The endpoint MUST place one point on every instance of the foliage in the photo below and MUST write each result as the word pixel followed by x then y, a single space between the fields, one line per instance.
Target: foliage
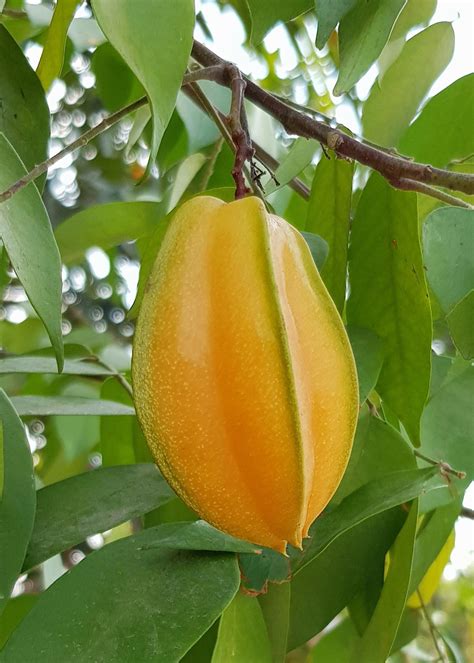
pixel 392 239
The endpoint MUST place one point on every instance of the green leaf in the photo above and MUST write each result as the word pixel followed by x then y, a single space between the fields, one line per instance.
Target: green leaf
pixel 298 157
pixel 155 40
pixel 323 588
pixel 116 84
pixel 18 503
pixel 25 115
pixel 369 355
pixel 336 644
pixel 448 422
pixel 329 215
pixel 431 538
pixel 116 434
pixel 184 175
pixel 38 364
pixel 433 137
pixel 259 570
pixel 14 612
pixel 36 263
pixel 71 405
pixel 379 636
pixel 461 325
pixel 275 605
pixel 52 57
pixel 265 13
pixel 106 226
pixel 363 33
pixel 318 247
pixel 71 510
pixel 448 247
pixel 414 13
pixel 242 633
pixel 394 305
pixel 329 13
pixel 199 535
pixel 124 603
pixel 393 102
pixel 369 500
pixel 377 451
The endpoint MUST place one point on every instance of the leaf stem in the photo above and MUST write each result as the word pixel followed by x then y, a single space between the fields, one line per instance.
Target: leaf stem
pixel 445 468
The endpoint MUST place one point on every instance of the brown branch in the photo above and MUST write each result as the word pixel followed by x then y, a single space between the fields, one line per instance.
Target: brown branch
pixel 419 187
pixel 467 513
pixel 391 166
pixel 444 468
pixel 272 164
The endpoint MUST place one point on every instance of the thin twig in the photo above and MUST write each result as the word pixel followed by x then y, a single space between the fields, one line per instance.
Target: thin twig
pixel 433 630
pixel 445 468
pixel 391 166
pixel 419 187
pixel 116 374
pixel 467 513
pixel 239 130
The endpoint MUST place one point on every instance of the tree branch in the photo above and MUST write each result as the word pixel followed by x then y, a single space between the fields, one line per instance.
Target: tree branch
pixel 393 167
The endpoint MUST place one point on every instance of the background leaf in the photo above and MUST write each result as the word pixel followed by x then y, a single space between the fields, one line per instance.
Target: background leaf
pixel 374 21
pixel 329 13
pixel 433 137
pixel 242 633
pixel 265 13
pixel 369 355
pixel 394 305
pixel 37 264
pixel 25 115
pixel 71 405
pixel 394 100
pixel 328 216
pixel 52 57
pixel 71 510
pixel 106 226
pixel 18 503
pixel 461 325
pixel 155 39
pixel 448 247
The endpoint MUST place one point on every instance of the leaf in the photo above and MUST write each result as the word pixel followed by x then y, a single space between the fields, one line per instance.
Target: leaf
pixel 18 503
pixel 318 247
pixel 431 538
pixel 378 450
pixel 379 636
pixel 329 215
pixel 336 644
pixel 323 588
pixel 15 610
pixel 25 115
pixel 242 633
pixel 329 13
pixel 395 306
pixel 368 501
pixel 116 434
pixel 71 405
pixel 71 510
pixel 393 102
pixel 199 535
pixel 155 40
pixel 448 422
pixel 363 33
pixel 448 247
pixel 185 173
pixel 106 226
pixel 433 137
pixel 115 84
pixel 369 355
pixel 414 13
pixel 37 264
pixel 461 325
pixel 127 603
pixel 38 364
pixel 52 57
pixel 275 605
pixel 258 570
pixel 265 13
pixel 298 157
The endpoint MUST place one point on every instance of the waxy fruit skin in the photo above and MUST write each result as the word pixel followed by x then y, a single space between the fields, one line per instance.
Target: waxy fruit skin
pixel 244 380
